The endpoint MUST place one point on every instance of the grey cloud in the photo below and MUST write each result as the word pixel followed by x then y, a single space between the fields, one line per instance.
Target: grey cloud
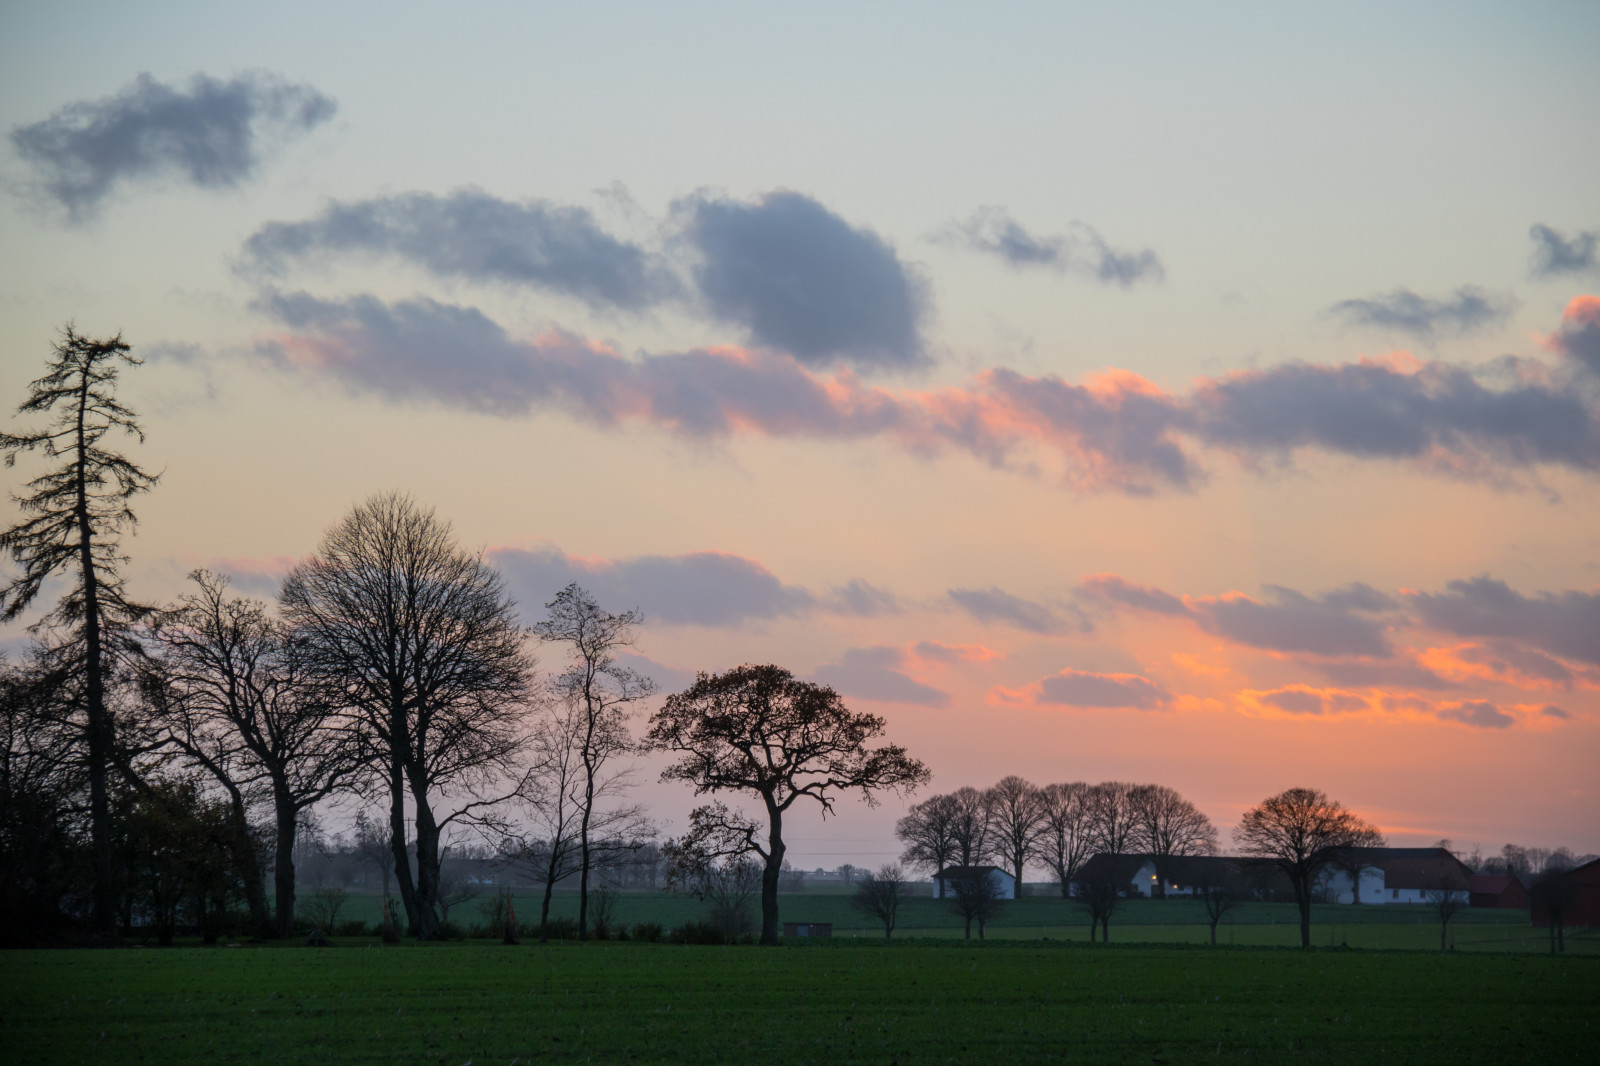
pixel 668 679
pixel 1478 713
pixel 1081 688
pixel 1550 710
pixel 1311 702
pixel 1441 416
pixel 876 674
pixel 1113 589
pixel 211 134
pixel 1564 624
pixel 995 605
pixel 1555 255
pixel 1357 672
pixel 472 235
pixel 1080 250
pixel 803 280
pixel 700 588
pixel 1466 310
pixel 1119 432
pixel 1293 622
pixel 1578 337
pixel 1506 657
pixel 1344 622
pixel 863 600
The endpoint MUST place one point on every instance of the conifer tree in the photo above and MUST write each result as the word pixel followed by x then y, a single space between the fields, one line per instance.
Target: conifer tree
pixel 74 515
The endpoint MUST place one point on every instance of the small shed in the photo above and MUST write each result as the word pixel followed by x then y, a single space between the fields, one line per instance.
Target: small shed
pixel 798 929
pixel 1497 890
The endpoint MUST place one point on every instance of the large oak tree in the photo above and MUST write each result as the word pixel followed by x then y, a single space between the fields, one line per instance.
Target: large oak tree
pixel 760 731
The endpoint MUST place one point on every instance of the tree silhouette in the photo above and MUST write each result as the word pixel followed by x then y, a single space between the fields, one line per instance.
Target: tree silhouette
pixel 759 730
pixel 76 514
pixel 603 692
pixel 232 695
pixel 420 639
pixel 1301 830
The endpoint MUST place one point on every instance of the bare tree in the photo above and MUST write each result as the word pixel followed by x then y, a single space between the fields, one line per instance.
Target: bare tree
pixel 420 639
pixel 1113 823
pixel 1300 830
pixel 77 513
pixel 545 826
pixel 975 896
pixel 1445 903
pixel 879 896
pixel 1221 888
pixel 605 691
pixel 1555 893
pixel 1017 813
pixel 971 827
pixel 1352 860
pixel 758 730
pixel 928 832
pixel 1066 839
pixel 1168 826
pixel 374 848
pixel 229 688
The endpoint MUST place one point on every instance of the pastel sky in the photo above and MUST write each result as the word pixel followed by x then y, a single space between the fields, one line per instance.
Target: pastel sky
pixel 1201 394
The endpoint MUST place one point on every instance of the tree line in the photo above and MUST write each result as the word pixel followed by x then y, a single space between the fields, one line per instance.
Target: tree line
pixel 144 742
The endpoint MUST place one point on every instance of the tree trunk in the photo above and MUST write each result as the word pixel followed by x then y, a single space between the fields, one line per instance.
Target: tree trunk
pixel 283 867
pixel 427 863
pixel 544 912
pixel 969 927
pixel 1105 929
pixel 255 891
pixel 103 915
pixel 583 860
pixel 1302 897
pixel 1213 932
pixel 397 845
pixel 770 875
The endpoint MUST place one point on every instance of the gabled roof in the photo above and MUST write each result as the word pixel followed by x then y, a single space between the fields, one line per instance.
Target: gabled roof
pixel 965 871
pixel 1416 868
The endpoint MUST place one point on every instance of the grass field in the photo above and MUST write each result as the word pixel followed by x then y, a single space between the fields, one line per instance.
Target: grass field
pixel 1136 921
pixel 841 1002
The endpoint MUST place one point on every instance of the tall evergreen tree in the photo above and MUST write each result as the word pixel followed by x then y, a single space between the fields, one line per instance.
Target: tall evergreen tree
pixel 75 514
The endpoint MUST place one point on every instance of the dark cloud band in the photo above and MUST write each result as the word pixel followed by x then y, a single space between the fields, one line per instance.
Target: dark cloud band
pixel 211 134
pixel 1080 250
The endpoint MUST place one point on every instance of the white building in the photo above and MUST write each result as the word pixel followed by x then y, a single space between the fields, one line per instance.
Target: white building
pixel 944 881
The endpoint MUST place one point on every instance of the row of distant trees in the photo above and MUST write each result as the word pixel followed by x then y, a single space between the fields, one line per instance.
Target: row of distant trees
pixel 1015 823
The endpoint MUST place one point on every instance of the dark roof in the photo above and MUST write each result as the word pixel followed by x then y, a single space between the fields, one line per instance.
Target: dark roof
pixel 1421 868
pixel 962 871
pixel 1492 884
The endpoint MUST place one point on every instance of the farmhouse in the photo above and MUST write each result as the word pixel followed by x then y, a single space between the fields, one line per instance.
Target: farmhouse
pixel 1395 875
pixel 944 880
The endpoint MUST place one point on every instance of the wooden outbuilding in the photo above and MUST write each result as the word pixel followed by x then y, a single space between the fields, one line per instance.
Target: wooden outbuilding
pixel 1496 890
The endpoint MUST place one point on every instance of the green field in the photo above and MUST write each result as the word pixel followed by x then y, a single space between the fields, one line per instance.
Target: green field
pixel 1136 921
pixel 845 1001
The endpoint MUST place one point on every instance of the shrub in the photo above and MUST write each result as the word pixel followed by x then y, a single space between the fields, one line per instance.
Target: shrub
pixel 697 933
pixel 449 930
pixel 560 929
pixel 649 932
pixel 355 927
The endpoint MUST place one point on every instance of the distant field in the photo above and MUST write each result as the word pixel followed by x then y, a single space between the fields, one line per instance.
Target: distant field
pixel 1136 921
pixel 835 1003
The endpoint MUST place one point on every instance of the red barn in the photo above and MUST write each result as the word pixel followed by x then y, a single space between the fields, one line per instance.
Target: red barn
pixel 1578 893
pixel 1494 890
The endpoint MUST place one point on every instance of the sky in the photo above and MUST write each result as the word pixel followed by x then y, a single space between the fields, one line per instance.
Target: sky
pixel 1205 396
